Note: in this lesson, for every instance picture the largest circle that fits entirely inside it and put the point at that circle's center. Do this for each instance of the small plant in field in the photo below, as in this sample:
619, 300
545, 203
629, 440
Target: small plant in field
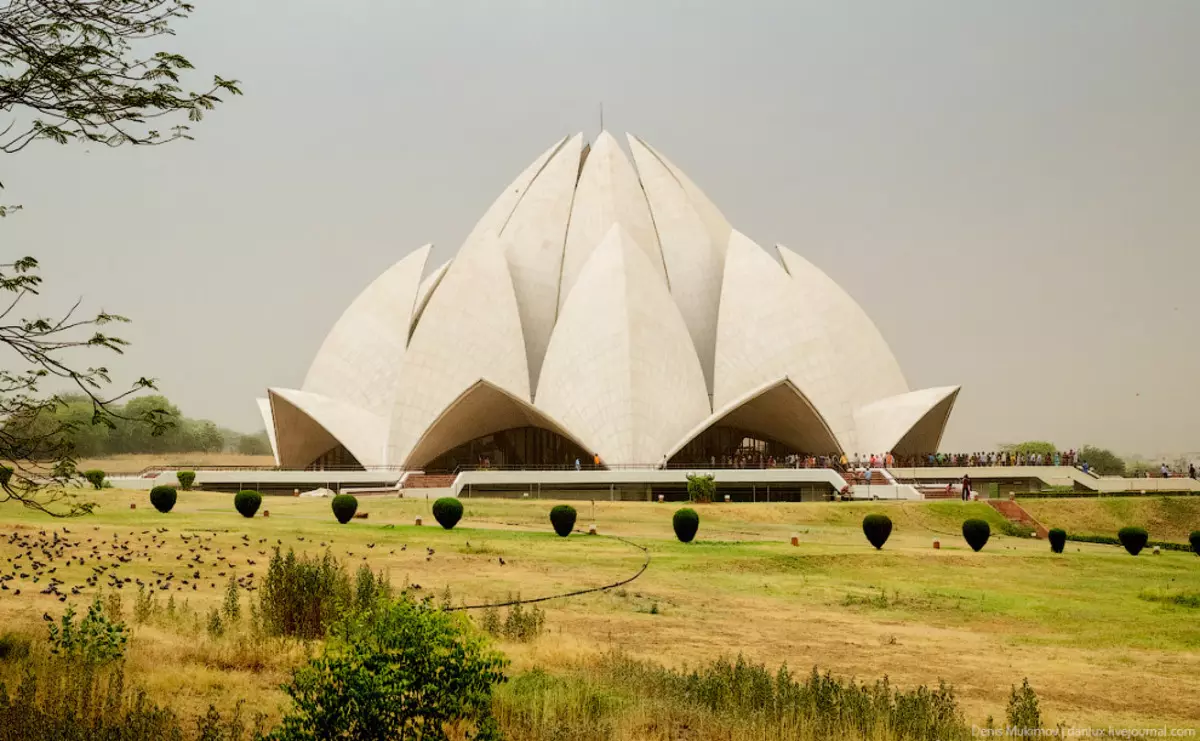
186, 479
562, 518
685, 522
301, 597
113, 608
976, 533
1133, 538
145, 606
489, 621
702, 489
231, 608
1194, 539
447, 511
344, 507
247, 502
14, 646
92, 640
163, 498
1058, 539
215, 626
877, 528
370, 587
95, 477
1023, 712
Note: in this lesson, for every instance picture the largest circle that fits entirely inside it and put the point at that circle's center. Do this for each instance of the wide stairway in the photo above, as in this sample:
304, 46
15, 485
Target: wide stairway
1013, 512
428, 480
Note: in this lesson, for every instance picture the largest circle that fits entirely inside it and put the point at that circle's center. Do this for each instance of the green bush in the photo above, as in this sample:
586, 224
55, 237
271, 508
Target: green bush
686, 522
562, 518
1058, 539
344, 507
1110, 540
1016, 529
163, 498
94, 639
95, 477
247, 502
186, 479
1133, 538
976, 533
701, 489
877, 528
1023, 713
447, 511
402, 670
1194, 539
301, 597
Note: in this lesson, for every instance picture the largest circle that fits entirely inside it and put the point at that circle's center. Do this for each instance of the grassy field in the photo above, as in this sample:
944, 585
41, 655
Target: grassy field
1098, 633
138, 462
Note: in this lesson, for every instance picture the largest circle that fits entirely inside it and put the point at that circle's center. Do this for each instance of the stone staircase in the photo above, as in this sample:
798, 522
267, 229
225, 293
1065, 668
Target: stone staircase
1013, 512
429, 481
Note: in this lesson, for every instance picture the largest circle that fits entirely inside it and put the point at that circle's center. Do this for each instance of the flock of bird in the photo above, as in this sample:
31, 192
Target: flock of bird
201, 559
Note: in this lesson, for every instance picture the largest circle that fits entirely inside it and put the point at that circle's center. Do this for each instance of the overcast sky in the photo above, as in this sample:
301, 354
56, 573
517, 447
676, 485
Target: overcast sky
1011, 190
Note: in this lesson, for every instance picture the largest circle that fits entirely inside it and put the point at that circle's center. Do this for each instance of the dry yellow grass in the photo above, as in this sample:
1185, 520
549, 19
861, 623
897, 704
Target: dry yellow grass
1073, 624
137, 462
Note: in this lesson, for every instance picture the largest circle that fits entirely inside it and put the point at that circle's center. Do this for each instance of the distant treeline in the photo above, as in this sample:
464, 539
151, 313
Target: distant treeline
186, 435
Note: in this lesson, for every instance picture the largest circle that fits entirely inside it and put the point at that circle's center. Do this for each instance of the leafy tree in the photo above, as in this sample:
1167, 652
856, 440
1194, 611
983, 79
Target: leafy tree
1102, 461
400, 670
76, 71
701, 488
1030, 447
256, 444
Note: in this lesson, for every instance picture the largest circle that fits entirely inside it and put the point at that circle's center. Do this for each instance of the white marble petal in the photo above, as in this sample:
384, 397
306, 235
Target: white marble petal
907, 423
264, 410
608, 193
470, 330
694, 264
428, 285
532, 241
310, 424
621, 372
360, 357
715, 221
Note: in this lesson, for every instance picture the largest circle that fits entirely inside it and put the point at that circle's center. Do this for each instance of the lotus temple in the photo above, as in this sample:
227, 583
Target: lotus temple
604, 331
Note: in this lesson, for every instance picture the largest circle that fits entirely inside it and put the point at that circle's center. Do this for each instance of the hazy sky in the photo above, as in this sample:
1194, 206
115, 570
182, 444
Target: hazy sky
1011, 190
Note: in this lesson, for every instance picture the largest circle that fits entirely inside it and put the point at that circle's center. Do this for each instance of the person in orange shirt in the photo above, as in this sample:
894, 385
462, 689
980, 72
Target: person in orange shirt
596, 460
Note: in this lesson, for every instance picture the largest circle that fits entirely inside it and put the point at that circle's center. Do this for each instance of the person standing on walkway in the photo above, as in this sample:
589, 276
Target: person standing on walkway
1166, 472
577, 466
966, 488
1192, 471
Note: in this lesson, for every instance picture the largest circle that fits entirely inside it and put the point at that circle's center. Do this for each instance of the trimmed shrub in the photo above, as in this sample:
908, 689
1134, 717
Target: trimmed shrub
976, 533
1110, 540
562, 518
163, 498
1133, 538
1194, 539
1058, 539
186, 479
95, 477
344, 507
877, 528
447, 511
247, 502
686, 522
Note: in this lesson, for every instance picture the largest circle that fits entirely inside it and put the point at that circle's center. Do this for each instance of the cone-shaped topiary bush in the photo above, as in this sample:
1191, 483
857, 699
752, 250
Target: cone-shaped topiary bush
163, 498
447, 511
1133, 538
877, 528
1058, 539
1194, 539
562, 518
344, 507
186, 479
976, 533
246, 502
686, 522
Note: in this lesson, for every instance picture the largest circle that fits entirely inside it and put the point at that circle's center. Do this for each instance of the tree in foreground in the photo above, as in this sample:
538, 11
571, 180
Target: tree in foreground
400, 670
447, 511
976, 533
877, 528
1101, 461
562, 518
1058, 539
76, 71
